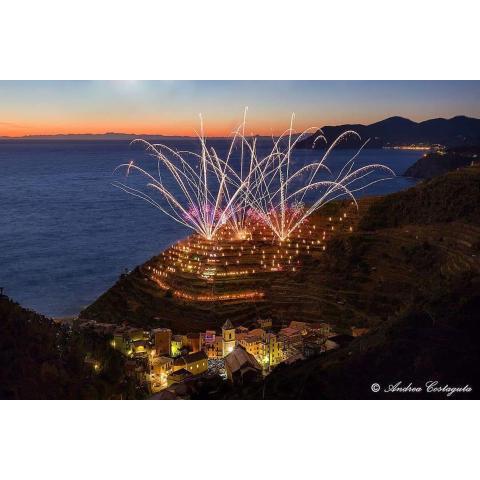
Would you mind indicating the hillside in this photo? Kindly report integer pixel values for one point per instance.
(446, 198)
(40, 359)
(397, 131)
(437, 163)
(403, 244)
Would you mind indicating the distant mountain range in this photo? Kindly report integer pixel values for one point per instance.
(391, 132)
(114, 136)
(90, 136)
(399, 131)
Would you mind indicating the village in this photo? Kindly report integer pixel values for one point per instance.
(163, 360)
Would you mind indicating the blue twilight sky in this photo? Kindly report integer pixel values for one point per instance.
(172, 107)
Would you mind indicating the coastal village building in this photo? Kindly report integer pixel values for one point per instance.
(323, 329)
(240, 331)
(273, 350)
(265, 347)
(124, 339)
(194, 363)
(253, 345)
(312, 348)
(300, 326)
(211, 344)
(193, 342)
(252, 342)
(242, 367)
(162, 339)
(228, 336)
(178, 376)
(136, 334)
(162, 359)
(161, 366)
(120, 343)
(291, 337)
(140, 348)
(292, 342)
(160, 369)
(265, 323)
(176, 345)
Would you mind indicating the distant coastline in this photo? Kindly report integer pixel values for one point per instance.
(399, 132)
(94, 136)
(393, 132)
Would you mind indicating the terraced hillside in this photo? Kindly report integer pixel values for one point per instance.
(402, 246)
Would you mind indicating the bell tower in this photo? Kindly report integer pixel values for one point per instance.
(228, 338)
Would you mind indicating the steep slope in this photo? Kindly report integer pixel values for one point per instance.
(451, 197)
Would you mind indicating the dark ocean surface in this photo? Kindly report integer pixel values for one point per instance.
(66, 233)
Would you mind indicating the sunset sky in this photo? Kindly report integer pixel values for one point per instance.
(172, 107)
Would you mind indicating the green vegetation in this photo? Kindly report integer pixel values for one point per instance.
(451, 197)
(44, 360)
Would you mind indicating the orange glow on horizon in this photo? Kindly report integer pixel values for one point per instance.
(175, 128)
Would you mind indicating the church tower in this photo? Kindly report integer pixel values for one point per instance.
(228, 338)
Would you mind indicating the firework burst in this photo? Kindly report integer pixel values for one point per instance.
(278, 188)
(204, 191)
(198, 190)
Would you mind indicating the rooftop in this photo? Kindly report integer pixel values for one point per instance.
(240, 358)
(192, 357)
(227, 325)
(289, 331)
(182, 372)
(161, 330)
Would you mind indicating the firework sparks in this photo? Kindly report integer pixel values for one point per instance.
(280, 188)
(208, 191)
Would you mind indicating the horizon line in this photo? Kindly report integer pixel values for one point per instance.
(130, 134)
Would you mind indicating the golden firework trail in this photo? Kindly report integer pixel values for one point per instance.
(203, 191)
